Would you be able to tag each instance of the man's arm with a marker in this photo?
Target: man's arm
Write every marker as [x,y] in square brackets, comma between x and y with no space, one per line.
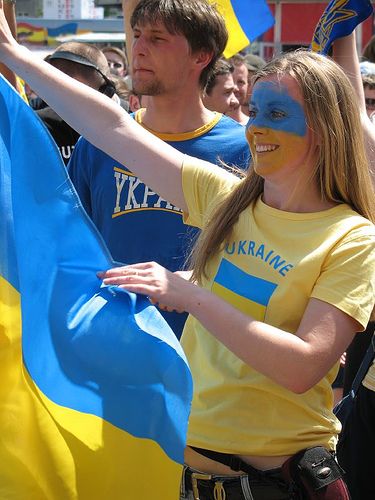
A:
[345,54]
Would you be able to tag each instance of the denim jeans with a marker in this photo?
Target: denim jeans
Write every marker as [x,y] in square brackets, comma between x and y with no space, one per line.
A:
[269,487]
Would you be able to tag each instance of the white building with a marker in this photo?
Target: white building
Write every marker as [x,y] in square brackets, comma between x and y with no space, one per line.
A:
[71,9]
[29,8]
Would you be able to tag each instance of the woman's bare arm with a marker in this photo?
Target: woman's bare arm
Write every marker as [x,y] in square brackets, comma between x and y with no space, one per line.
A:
[295,361]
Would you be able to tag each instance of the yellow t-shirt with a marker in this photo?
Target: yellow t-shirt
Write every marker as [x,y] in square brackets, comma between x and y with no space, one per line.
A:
[21,89]
[273,264]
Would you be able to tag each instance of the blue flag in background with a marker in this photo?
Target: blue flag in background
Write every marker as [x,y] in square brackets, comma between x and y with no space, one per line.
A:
[338,20]
[64,29]
[245,20]
[95,389]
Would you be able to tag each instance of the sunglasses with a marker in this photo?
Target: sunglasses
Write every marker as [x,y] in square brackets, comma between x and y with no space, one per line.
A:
[370,102]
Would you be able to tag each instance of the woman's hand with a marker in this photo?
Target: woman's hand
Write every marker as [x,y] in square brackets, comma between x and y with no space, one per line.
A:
[168,290]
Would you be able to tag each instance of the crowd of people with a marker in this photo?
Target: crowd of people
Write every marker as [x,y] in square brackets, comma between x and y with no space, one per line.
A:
[240,195]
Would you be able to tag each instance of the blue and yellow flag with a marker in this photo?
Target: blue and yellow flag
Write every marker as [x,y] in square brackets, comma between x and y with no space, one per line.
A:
[95,389]
[245,21]
[339,19]
[250,294]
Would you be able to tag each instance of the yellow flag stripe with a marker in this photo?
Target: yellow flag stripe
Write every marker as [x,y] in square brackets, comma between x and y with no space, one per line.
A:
[49,452]
[241,303]
[237,38]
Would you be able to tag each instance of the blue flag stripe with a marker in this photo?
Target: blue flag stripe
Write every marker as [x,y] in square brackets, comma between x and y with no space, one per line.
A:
[235,279]
[254,16]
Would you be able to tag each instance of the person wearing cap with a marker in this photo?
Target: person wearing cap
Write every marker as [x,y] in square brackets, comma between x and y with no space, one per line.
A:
[253,64]
[87,64]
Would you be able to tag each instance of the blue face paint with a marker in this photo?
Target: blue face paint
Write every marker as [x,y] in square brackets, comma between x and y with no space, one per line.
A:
[272,107]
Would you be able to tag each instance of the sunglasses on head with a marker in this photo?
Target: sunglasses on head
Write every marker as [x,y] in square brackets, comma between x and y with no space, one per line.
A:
[370,102]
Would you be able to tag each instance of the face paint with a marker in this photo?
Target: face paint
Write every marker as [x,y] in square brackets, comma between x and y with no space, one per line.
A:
[277,130]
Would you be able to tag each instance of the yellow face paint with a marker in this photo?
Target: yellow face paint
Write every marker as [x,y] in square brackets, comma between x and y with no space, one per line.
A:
[272,150]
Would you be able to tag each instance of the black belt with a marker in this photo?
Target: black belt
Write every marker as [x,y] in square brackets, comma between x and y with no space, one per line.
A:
[235,463]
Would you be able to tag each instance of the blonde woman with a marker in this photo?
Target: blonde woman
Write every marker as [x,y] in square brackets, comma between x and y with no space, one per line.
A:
[283,271]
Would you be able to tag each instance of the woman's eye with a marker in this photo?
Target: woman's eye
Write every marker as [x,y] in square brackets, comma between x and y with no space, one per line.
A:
[277,115]
[252,113]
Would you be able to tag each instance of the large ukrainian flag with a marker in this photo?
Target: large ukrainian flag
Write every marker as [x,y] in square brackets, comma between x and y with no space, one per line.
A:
[95,390]
[245,21]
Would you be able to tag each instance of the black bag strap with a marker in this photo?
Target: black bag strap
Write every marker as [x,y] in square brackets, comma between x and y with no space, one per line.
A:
[365,365]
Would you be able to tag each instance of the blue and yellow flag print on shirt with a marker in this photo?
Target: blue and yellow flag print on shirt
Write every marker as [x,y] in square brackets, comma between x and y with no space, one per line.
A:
[250,294]
[245,21]
[95,389]
[339,19]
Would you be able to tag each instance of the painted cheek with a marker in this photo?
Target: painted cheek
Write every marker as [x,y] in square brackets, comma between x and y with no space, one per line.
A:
[291,151]
[295,148]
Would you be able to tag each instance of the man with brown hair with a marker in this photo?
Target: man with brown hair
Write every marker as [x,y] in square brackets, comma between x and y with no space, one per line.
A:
[173,46]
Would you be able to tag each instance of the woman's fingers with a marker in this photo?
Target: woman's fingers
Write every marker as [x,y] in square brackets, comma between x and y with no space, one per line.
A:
[151,279]
[130,270]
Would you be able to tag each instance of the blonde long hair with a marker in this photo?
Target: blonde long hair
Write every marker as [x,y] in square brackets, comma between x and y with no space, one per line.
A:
[341,170]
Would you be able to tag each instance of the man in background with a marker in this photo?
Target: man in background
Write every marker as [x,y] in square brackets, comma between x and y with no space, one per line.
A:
[219,94]
[240,112]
